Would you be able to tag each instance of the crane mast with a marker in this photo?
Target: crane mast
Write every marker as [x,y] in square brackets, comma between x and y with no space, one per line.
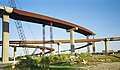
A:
[19,27]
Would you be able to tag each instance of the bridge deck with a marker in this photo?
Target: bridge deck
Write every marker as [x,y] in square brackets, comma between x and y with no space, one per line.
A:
[41,19]
[65,41]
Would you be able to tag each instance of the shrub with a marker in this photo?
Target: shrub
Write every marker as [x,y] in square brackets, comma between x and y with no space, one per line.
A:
[45,62]
[33,63]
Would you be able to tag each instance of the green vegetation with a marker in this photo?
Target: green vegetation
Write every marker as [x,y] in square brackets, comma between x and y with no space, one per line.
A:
[116,57]
[63,61]
[33,63]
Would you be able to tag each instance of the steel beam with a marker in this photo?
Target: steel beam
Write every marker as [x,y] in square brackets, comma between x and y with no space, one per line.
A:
[78,47]
[63,41]
[55,41]
[34,51]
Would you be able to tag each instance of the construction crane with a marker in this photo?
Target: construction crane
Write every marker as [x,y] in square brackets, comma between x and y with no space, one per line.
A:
[19,27]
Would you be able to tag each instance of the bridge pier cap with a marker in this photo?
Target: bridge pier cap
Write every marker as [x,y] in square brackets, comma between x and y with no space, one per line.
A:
[72,29]
[7,9]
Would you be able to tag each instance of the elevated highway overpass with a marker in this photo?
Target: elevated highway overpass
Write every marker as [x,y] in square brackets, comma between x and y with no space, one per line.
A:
[65,41]
[6,13]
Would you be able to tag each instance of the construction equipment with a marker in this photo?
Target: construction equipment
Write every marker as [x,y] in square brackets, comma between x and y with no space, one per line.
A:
[19,26]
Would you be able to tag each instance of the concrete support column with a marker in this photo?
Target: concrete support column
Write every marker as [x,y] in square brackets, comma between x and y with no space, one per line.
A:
[106,47]
[88,47]
[72,39]
[14,54]
[5,38]
[93,45]
[58,48]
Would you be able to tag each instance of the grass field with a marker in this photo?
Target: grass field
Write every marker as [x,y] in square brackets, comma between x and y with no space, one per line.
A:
[66,61]
[90,60]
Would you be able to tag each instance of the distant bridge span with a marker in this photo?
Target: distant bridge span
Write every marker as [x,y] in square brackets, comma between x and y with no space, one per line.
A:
[65,41]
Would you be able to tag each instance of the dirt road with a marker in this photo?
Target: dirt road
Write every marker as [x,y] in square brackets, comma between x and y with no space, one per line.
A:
[103,66]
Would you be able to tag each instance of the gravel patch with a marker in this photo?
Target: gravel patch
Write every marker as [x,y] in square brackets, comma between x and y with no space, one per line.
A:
[103,66]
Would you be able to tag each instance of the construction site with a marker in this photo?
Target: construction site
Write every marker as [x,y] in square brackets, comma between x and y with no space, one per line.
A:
[7,13]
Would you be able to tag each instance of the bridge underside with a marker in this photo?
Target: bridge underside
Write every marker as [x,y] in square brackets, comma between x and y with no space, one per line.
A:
[6,13]
[41,19]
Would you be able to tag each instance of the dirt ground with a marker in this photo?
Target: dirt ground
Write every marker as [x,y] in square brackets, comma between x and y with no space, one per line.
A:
[103,66]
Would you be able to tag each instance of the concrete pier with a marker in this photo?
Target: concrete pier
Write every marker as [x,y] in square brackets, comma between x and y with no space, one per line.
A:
[72,40]
[5,38]
[93,45]
[14,54]
[106,46]
[59,48]
[5,34]
[88,47]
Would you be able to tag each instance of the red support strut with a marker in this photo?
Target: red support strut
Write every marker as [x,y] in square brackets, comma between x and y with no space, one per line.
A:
[43,50]
[51,37]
